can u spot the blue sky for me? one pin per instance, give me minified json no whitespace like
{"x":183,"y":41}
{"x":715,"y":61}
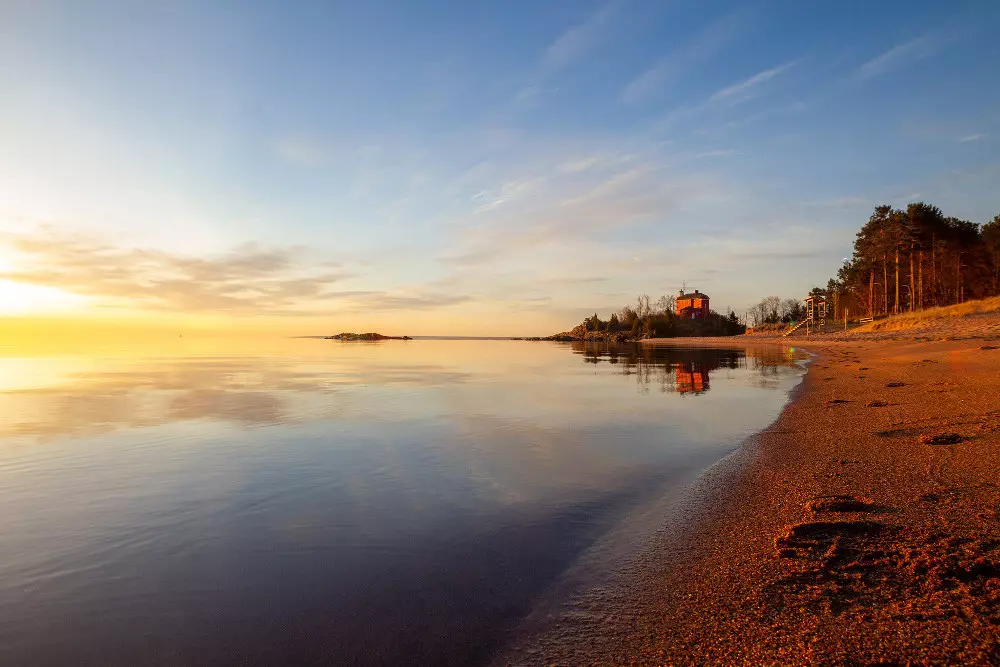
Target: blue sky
{"x":455,"y":165}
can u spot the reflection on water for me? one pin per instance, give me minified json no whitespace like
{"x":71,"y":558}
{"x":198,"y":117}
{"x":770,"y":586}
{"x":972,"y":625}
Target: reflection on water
{"x":687,"y":370}
{"x":87,"y":396}
{"x":329,"y":502}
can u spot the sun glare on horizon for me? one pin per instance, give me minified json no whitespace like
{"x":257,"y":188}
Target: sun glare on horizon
{"x":23,"y":299}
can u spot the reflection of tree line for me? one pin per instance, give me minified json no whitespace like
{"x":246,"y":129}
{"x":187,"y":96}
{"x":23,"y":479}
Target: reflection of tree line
{"x":685,"y":370}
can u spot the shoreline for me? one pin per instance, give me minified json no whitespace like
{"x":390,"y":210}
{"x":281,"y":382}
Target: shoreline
{"x":762,"y":565}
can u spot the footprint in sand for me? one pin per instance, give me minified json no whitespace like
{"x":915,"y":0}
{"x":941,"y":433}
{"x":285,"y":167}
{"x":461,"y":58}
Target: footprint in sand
{"x":876,"y":404}
{"x":941,"y":438}
{"x":896,"y":384}
{"x":897,"y":432}
{"x":841,"y":503}
{"x":811,"y":537}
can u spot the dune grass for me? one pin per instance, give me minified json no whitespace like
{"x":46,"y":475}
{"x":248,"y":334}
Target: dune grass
{"x":930,"y":316}
{"x":769,"y":328}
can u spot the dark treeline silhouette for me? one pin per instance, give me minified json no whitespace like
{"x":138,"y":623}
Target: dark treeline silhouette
{"x":906,"y":260}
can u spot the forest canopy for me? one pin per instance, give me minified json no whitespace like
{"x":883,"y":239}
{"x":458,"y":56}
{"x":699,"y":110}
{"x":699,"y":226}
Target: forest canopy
{"x":917,"y":258}
{"x":903,"y":260}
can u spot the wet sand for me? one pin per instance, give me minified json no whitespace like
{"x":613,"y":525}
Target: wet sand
{"x":861,"y":527}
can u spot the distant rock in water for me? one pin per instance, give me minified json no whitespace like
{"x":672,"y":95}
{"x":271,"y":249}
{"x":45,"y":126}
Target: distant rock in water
{"x":365,"y":336}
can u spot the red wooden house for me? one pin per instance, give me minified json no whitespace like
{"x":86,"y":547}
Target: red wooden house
{"x":693,"y":305}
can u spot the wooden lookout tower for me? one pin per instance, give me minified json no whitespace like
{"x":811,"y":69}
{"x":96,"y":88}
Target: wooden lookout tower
{"x":815,"y":313}
{"x":815,"y":319}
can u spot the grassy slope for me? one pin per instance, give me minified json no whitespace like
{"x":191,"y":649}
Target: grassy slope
{"x":924,"y":318}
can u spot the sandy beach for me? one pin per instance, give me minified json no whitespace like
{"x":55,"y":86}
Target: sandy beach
{"x":860,"y":528}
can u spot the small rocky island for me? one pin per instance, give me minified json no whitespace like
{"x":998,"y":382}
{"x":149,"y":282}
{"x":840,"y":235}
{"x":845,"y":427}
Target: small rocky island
{"x":365,"y":337}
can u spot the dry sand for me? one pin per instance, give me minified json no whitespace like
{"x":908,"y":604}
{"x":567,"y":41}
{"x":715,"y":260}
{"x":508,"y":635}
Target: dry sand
{"x":862,"y":527}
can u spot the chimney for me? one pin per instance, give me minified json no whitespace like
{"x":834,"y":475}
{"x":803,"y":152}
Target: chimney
{"x":680,"y":292}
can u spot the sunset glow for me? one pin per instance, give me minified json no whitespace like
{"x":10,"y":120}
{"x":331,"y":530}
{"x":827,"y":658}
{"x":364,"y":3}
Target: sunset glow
{"x":482,"y":332}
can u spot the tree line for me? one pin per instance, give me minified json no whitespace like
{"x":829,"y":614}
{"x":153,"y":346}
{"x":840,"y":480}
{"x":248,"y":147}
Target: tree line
{"x":903,"y":260}
{"x":906,"y":260}
{"x":775,"y":310}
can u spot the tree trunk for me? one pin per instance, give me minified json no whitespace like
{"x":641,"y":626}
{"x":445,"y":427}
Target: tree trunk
{"x":913,"y":293}
{"x":934,"y":268}
{"x":920,"y":264}
{"x":958,"y":279}
{"x":885,"y":286}
{"x":871,"y":290}
{"x":996,"y":273}
{"x":895,"y":303}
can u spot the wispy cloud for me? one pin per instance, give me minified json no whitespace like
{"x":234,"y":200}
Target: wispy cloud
{"x":506,"y":193}
{"x":301,"y":151}
{"x":249,"y":280}
{"x":848,"y":202}
{"x":652,"y":79}
{"x":722,"y":152}
{"x":527,"y":94}
{"x":728,"y":97}
{"x":699,"y":49}
{"x":746,"y":89}
{"x":941,"y":129}
{"x":367,"y":301}
{"x":579,"y":165}
{"x":578,"y":40}
{"x":582,"y":206}
{"x":911,"y":51}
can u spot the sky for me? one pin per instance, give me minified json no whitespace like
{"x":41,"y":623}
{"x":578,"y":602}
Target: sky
{"x":468,"y":167}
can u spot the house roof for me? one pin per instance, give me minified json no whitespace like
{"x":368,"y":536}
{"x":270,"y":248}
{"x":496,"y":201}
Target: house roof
{"x":693,"y":295}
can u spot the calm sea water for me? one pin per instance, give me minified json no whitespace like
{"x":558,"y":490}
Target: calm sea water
{"x":336,"y":503}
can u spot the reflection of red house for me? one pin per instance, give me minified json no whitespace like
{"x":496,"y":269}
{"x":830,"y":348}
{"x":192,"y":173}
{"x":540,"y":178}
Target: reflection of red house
{"x":692,"y":306}
{"x":689,"y":378}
